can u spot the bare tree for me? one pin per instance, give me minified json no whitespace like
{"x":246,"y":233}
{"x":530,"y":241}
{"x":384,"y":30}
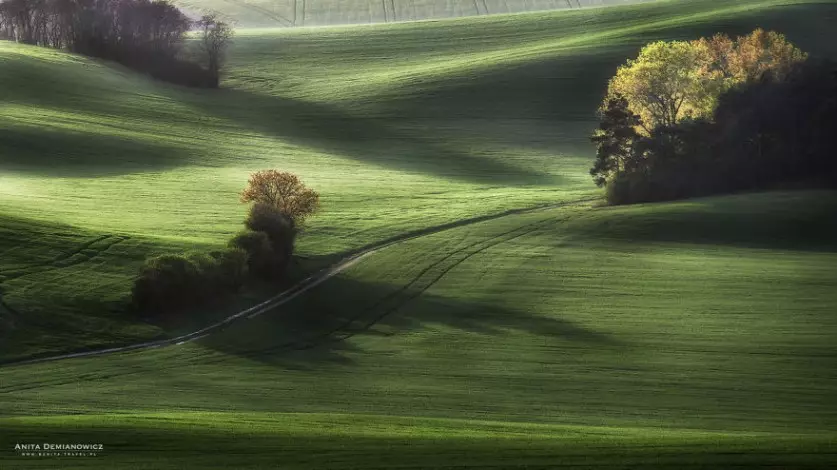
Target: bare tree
{"x":215,"y":37}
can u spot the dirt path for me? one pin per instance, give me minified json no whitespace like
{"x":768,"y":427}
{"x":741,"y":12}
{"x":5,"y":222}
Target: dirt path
{"x":300,"y":288}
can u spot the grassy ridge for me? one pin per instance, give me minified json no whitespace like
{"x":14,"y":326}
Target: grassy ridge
{"x":434,"y":122}
{"x":370,"y":441}
{"x":689,"y":335}
{"x":297,"y":13}
{"x":627,"y":349}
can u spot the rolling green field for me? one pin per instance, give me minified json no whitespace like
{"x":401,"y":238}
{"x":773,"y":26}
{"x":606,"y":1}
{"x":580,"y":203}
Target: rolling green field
{"x":697,"y":334}
{"x":299,"y":13}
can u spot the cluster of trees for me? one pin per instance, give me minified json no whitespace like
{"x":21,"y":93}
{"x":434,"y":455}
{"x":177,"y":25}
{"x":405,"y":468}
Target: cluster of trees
{"x":716,"y":115}
{"x":281,"y":203}
{"x":145,"y":35}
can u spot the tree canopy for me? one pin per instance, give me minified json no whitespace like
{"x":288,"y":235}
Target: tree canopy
{"x":284,"y":191}
{"x":675,"y":80}
{"x":146,"y":35}
{"x":716,"y":115}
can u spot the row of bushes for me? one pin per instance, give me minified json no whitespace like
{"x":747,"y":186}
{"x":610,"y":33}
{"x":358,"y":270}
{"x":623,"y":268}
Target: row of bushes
{"x":763,"y":134}
{"x":175,"y":282}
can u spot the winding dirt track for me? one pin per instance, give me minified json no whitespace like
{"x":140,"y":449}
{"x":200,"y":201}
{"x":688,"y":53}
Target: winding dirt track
{"x":301,"y":287}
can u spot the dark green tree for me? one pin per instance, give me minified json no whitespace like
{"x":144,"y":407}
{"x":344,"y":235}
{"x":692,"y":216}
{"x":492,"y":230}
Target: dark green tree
{"x":614,"y":139}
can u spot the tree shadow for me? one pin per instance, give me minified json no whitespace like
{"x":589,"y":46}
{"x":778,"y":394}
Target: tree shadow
{"x":368,"y":139}
{"x":566,"y":87}
{"x":315,"y":327}
{"x":82,"y":154}
{"x":569,"y":86}
{"x":800,"y":221}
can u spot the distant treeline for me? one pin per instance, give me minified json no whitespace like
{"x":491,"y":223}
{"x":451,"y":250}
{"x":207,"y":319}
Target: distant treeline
{"x":144,"y":35}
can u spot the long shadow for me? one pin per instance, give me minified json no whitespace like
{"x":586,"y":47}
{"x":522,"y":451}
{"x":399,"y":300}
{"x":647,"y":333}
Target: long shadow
{"x":799,"y":221}
{"x":314,"y":328}
{"x":368,"y":139}
{"x":82,"y":154}
{"x":571,"y":86}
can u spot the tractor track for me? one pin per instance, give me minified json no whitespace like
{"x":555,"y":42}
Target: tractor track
{"x":323,"y":275}
{"x":264,"y":11}
{"x":390,"y":303}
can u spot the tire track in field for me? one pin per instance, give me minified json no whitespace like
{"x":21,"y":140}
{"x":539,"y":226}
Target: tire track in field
{"x":328,"y":336}
{"x":8,"y":314}
{"x":16,"y":272}
{"x":264,"y":11}
{"x":64,"y":260}
{"x":81,"y":248}
{"x":295,"y":2}
{"x":392,"y":302}
{"x":349,"y":260}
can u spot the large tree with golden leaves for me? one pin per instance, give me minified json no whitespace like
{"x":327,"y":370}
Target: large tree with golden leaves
{"x":284,"y":191}
{"x":675,"y":80}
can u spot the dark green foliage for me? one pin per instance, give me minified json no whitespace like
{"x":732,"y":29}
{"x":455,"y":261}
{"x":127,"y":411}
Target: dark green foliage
{"x":141,"y":34}
{"x":173,"y":282}
{"x":762,"y":135}
{"x":262,"y":260}
{"x":280,"y":229}
{"x":781,"y":131}
{"x":165,"y":283}
{"x":614,"y":139}
{"x":232,"y":263}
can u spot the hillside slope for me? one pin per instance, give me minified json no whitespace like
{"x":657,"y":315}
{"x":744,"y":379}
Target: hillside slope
{"x":688,"y":335}
{"x":298,"y":13}
{"x":399,"y":127}
{"x":594,"y":337}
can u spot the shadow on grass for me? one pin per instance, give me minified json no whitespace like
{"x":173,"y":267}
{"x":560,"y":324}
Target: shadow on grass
{"x":167,"y":443}
{"x":792,"y":220}
{"x":82,"y":154}
{"x":313,"y":329}
{"x":367,"y":139}
{"x":212,"y":442}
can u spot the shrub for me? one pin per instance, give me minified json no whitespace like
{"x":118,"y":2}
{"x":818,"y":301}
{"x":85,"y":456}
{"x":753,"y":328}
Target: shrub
{"x":280,"y":229}
{"x":262,"y":259}
{"x":172,"y":282}
{"x":232,"y":265}
{"x":165,"y":283}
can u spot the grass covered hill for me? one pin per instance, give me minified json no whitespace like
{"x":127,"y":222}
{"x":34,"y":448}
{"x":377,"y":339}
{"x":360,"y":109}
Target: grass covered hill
{"x":587,"y":336}
{"x":400,"y":127}
{"x":696,"y":334}
{"x":297,"y":13}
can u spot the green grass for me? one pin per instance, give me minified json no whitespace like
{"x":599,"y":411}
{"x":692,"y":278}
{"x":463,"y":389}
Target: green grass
{"x":369,"y":441}
{"x":656,"y":336}
{"x":299,"y":13}
{"x":518,"y":341}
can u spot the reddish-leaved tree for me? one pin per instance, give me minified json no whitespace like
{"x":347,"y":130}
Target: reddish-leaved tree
{"x":284,"y":191}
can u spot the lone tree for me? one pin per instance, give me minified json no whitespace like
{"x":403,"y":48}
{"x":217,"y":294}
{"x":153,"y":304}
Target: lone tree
{"x":215,"y":37}
{"x":283,"y":191}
